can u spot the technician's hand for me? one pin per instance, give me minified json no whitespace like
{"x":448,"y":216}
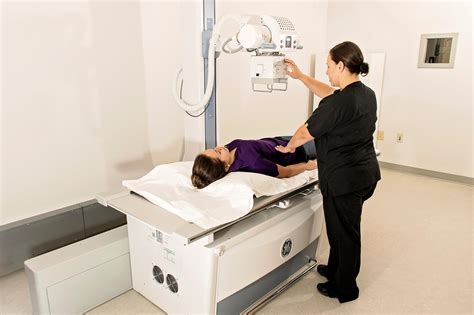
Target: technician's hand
{"x":285,"y":149}
{"x":311,"y":165}
{"x":292,"y":69}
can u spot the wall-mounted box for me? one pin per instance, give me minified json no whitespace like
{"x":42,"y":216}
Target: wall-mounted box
{"x":437,"y":50}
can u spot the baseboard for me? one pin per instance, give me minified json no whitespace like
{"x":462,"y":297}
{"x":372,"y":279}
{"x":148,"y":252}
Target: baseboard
{"x":22,"y":240}
{"x":420,"y":171}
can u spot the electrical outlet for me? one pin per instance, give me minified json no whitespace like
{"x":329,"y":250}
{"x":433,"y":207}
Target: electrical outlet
{"x":400,"y":137}
{"x":380,"y":135}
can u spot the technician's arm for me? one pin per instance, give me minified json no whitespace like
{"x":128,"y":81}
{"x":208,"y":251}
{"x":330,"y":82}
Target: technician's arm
{"x":317,"y":87}
{"x":300,"y":137}
{"x":295,"y":169}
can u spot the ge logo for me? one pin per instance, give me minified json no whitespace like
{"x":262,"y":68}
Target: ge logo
{"x":286,"y":248}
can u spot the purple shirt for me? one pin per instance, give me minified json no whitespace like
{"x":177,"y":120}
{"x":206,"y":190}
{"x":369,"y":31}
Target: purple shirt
{"x":260,"y":156}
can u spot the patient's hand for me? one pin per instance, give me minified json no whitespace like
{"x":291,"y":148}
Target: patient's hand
{"x":311,"y":165}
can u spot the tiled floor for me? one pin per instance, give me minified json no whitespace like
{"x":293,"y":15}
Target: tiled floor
{"x":416,"y":258}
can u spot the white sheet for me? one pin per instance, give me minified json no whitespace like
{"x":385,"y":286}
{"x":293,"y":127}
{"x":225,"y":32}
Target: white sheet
{"x":169,"y":186}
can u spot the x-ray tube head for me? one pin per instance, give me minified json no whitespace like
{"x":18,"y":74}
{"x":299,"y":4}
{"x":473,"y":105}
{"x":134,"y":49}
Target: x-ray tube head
{"x":283,"y":35}
{"x":267,"y":68}
{"x":269,"y":37}
{"x":253,"y":36}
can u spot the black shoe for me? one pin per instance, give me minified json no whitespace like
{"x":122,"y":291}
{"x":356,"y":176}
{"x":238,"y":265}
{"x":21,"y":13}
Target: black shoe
{"x":323,"y":271}
{"x":326,"y":289}
{"x":344,"y":299}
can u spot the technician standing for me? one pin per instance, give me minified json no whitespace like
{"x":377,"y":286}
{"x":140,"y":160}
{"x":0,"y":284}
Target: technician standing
{"x":342,"y":127}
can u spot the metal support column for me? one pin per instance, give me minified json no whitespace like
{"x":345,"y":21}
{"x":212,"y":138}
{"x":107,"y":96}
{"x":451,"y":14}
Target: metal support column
{"x":210,"y":114}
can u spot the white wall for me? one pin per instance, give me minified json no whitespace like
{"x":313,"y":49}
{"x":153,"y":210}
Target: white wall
{"x":242,"y":113}
{"x":73,"y":115}
{"x":1,"y":115}
{"x":171,"y":40}
{"x":431,"y":107}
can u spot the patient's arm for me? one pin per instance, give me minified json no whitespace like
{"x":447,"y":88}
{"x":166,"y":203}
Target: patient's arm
{"x":295,"y":169}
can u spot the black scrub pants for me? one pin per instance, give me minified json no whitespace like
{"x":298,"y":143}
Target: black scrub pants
{"x":343,"y":215}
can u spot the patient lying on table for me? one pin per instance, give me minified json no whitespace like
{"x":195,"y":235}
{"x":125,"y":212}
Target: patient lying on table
{"x":257,"y":156}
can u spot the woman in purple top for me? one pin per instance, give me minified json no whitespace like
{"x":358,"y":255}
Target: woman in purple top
{"x":256,"y":156}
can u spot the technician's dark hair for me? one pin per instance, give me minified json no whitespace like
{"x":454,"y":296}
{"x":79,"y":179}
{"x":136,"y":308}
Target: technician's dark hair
{"x":351,"y":56}
{"x":206,"y":170}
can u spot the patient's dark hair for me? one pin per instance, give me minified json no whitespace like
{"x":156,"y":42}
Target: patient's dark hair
{"x":206,"y":170}
{"x":351,"y":56}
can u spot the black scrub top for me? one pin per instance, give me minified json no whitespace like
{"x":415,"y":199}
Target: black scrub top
{"x":343,"y":127}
